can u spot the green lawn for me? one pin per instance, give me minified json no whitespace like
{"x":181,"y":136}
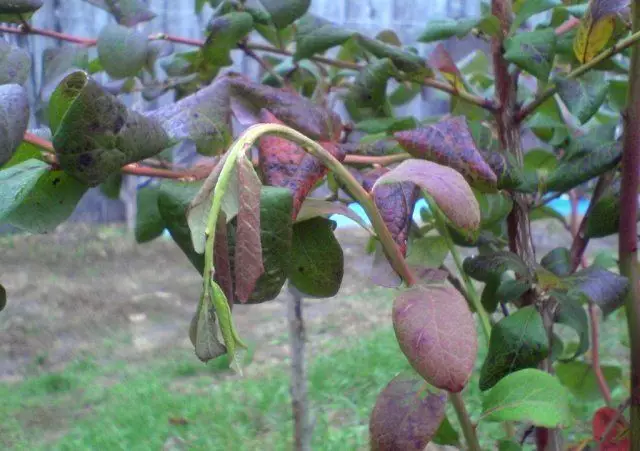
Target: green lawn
{"x":133,"y":407}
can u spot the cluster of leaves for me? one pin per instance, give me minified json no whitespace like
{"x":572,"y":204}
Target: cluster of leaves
{"x":254,"y":223}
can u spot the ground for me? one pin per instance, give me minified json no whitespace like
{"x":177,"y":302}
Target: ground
{"x":89,"y":310}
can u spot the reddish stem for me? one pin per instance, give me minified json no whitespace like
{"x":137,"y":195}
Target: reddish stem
{"x":22,"y":30}
{"x":595,"y":354}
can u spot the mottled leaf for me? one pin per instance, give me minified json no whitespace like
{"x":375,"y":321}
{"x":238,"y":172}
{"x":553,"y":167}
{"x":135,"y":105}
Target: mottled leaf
{"x":15,"y":64}
{"x":407,"y":414}
{"x":122,"y":51}
{"x":433,"y":323}
{"x":449,"y":142}
{"x":517,"y":341}
{"x":524,"y":9}
{"x":94,"y":133}
{"x":126,"y":12}
{"x":558,"y":261}
{"x":149,"y":222}
{"x":447,"y":187}
{"x":284,"y":12}
{"x":440,"y":29}
{"x":248,"y":249}
{"x":298,"y":112}
{"x":604,"y":288}
{"x":596,"y":28}
{"x":410,"y":63}
{"x":286,"y":164}
{"x":315,"y":35}
{"x":528,"y":395}
{"x":584,"y":95}
{"x":14,"y":118}
{"x":532,"y":51}
{"x":18,"y":10}
{"x":35,"y":198}
{"x":224,"y":33}
{"x":581,"y":381}
{"x":317,"y":262}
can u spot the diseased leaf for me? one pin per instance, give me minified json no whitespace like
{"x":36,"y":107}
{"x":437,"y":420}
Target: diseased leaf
{"x":532,"y":51}
{"x":224,"y":33}
{"x":447,"y":187}
{"x":297,"y":112}
{"x":317,"y":262}
{"x":407,"y":414}
{"x":571,"y":313}
{"x":284,"y":12}
{"x":596,"y":28}
{"x":517,"y":341}
{"x":367,"y":97}
{"x":441,"y":60}
{"x":617,"y":438}
{"x":203,"y":118}
{"x":558,"y":261}
{"x":604,"y":288}
{"x":440,"y":29}
{"x":126,"y":12}
{"x":122,"y":51}
{"x":149,"y":222}
{"x":14,"y":118}
{"x":35,"y":198}
{"x":410,"y":63}
{"x":584,"y":95}
{"x":524,"y":9}
{"x":94,"y":133}
{"x":581,"y":381}
{"x":433,"y":323}
{"x":317,"y":207}
{"x":18,"y":11}
{"x":286,"y":164}
{"x":528,"y":395}
{"x":15,"y":64}
{"x":315,"y":35}
{"x":248,"y":248}
{"x":204,"y":333}
{"x":449,"y":142}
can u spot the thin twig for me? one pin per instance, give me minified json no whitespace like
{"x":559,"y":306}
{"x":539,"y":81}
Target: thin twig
{"x":595,"y":354}
{"x":619,"y":415}
{"x":266,"y":66}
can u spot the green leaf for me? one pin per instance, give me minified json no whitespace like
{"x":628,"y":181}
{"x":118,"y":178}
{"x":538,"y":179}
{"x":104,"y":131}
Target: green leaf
{"x":111,"y":186}
{"x":149,"y":222}
{"x":494,"y":208}
{"x":18,"y":11}
{"x":94,"y":133}
{"x":618,"y":94}
{"x":315,"y":35}
{"x":367,"y":97}
{"x":508,"y":445}
{"x":386,"y":124}
{"x":605,"y":288}
{"x":571,"y":313}
{"x":517,"y":341}
{"x":581,"y":381}
{"x":604,"y":218}
{"x":583,"y":96}
{"x":15,"y":64}
{"x":446,"y":434}
{"x":317,"y":262}
{"x":429,"y":251}
{"x":540,"y":162}
{"x":440,"y":29}
{"x":531,"y":396}
{"x":126,"y":12}
{"x":548,"y":124}
{"x":546,"y":212}
{"x":558,"y":261}
{"x":122,"y":51}
{"x":14,"y":118}
{"x":524,"y":9}
{"x":35,"y":198}
{"x":410,"y":63}
{"x":487,"y":267}
{"x":173,"y":200}
{"x":404,"y":93}
{"x":532,"y":51}
{"x":285,"y":12}
{"x":25,"y":151}
{"x":224,"y":33}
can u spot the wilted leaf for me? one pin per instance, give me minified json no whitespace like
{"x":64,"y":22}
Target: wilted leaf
{"x":317,"y":262}
{"x":315,"y":35}
{"x":126,"y":12}
{"x":298,"y":112}
{"x":286,"y":164}
{"x":524,"y":9}
{"x":517,"y":341}
{"x":149,"y":222}
{"x":15,"y":64}
{"x":450,"y":143}
{"x":447,"y":187}
{"x":285,"y":12}
{"x":94,"y":133}
{"x":532,"y":51}
{"x":440,"y":29}
{"x":203,"y":333}
{"x":35,"y":198}
{"x":558,"y":261}
{"x":18,"y":10}
{"x":580,"y":379}
{"x":410,"y":63}
{"x":367,"y":97}
{"x":584,"y":95}
{"x":317,"y":207}
{"x":433,"y":323}
{"x":14,"y":118}
{"x":617,"y":438}
{"x":224,"y":33}
{"x":122,"y":51}
{"x":528,"y":395}
{"x":604,"y":288}
{"x":407,"y":414}
{"x":248,"y":248}
{"x":203,"y":117}
{"x":596,"y":28}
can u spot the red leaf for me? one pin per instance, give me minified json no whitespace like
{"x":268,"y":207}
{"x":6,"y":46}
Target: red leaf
{"x":221,"y":260}
{"x":436,"y":332}
{"x":618,"y":438}
{"x":287,"y":165}
{"x":441,"y":60}
{"x":248,"y":258}
{"x":290,"y":107}
{"x":449,"y":142}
